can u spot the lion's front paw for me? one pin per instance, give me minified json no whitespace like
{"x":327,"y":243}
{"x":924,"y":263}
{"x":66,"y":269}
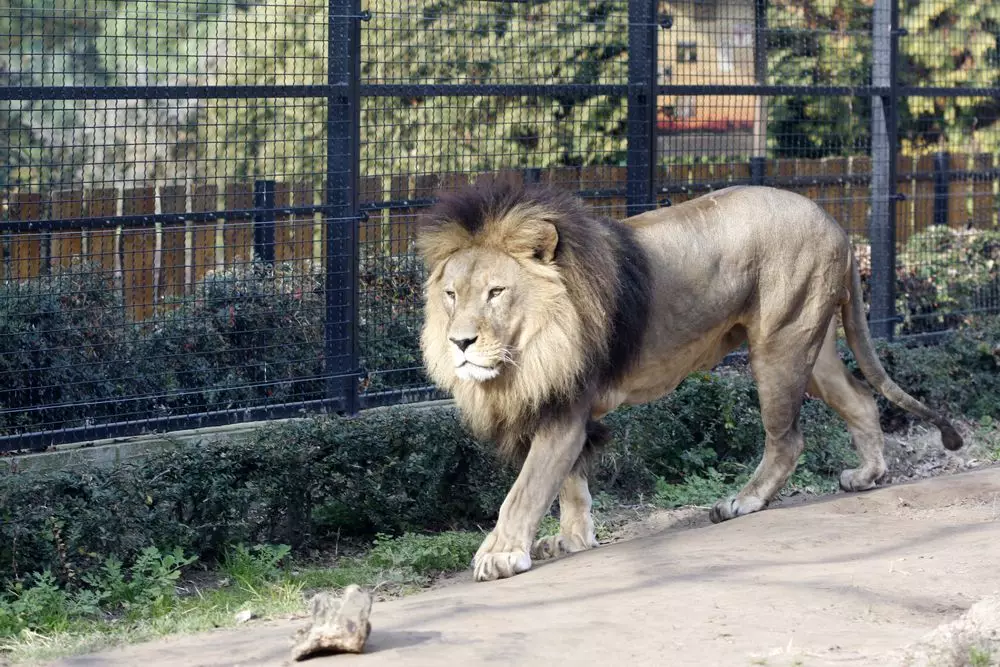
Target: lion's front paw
{"x":500,"y":565}
{"x":730,"y":508}
{"x":858,"y":479}
{"x":563,"y":543}
{"x":499,"y":559}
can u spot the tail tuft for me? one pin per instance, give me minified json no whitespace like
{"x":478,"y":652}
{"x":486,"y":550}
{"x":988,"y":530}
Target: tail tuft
{"x":949,"y":436}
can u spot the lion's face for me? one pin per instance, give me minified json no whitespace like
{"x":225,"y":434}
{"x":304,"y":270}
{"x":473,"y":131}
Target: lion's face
{"x":482,"y":293}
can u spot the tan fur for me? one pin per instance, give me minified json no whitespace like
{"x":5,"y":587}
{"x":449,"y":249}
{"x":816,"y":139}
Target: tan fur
{"x":754,"y":265}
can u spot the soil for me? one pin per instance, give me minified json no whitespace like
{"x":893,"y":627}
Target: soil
{"x":849,"y":579}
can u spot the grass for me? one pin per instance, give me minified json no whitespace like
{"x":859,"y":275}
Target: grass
{"x":260,"y":579}
{"x":980,"y":658}
{"x":151,"y":598}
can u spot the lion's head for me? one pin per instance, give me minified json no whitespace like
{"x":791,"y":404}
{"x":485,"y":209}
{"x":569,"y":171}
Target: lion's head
{"x":530,"y":301}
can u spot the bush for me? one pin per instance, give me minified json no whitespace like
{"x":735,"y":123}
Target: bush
{"x":64,"y":341}
{"x":943,"y":277}
{"x":310,"y":483}
{"x":302,"y":484}
{"x":249,"y":335}
{"x":959,"y":375}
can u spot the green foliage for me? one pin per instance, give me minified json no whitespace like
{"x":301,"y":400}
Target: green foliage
{"x":815,"y":43}
{"x":252,"y":566}
{"x":310,"y":483}
{"x":155,"y":42}
{"x":943,"y":275}
{"x":715,"y":416}
{"x":70,"y":355}
{"x":62,"y":340}
{"x":979,"y":657}
{"x":960,"y":375}
{"x":45,"y":604}
{"x":701,"y":489}
{"x":425,"y":554}
{"x":302,"y":484}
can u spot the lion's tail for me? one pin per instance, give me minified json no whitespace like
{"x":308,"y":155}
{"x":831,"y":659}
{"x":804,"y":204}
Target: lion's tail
{"x":860,"y":342}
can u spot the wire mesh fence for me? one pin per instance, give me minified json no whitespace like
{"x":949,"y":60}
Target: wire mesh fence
{"x":208,"y":206}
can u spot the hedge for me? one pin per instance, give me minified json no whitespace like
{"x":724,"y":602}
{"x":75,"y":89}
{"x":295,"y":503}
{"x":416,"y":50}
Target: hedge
{"x":314,"y":482}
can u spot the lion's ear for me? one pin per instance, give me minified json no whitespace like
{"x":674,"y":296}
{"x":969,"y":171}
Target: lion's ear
{"x":536,"y":241}
{"x":548,"y":239}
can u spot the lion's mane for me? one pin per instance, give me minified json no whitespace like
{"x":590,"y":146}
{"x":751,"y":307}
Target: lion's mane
{"x":595,"y":322}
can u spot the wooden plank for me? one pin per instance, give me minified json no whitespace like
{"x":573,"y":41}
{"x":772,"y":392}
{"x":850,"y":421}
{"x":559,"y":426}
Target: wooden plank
{"x":172,"y":268}
{"x":734,"y":172}
{"x":923,"y":194}
{"x":904,"y":208}
{"x":102,"y":245}
{"x":959,"y":192}
{"x":425,"y":186}
{"x":319,"y":238}
{"x":833,"y":196}
{"x":25,"y":247}
{"x":679,"y":174}
{"x":371,"y":193}
{"x":597,"y":177}
{"x":284,"y":226}
{"x":983,"y":199}
{"x":860,"y":195}
{"x":453,"y":181}
{"x":400,"y":219}
{"x":617,"y":180}
{"x":138,"y":253}
{"x":780,"y":168}
{"x":562,"y":178}
{"x":237,"y":230}
{"x":506,"y":176}
{"x":701,"y":174}
{"x":204,"y":240}
{"x":67,"y":244}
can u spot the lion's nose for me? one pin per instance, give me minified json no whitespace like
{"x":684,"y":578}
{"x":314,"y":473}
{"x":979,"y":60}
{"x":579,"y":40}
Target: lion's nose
{"x":463,"y":343}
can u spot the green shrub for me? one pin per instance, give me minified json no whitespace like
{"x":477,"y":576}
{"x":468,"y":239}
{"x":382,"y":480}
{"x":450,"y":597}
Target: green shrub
{"x":943,"y":277}
{"x":310,"y":483}
{"x":425,"y":554}
{"x":44,"y":603}
{"x":64,"y":341}
{"x":959,"y":375}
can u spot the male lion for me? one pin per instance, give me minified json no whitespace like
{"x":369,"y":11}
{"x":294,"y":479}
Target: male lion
{"x":541,"y":317}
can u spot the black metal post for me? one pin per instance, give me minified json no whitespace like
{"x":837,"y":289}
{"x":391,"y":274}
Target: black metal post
{"x":641,"y":152}
{"x":263,"y":220}
{"x":885,"y":122}
{"x":343,"y":159}
{"x":758,"y":170}
{"x":759,"y":79}
{"x":942,"y":167}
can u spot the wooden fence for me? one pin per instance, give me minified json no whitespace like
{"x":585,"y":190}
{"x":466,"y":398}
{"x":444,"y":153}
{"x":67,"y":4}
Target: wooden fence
{"x":159,"y":261}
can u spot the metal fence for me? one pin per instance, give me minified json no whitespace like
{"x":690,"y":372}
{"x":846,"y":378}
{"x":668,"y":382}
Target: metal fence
{"x":208,"y":205}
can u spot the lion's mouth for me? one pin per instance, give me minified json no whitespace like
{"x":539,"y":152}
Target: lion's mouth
{"x":469,"y":370}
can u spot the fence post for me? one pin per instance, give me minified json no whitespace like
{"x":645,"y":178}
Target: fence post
{"x":758,"y":166}
{"x":343,"y":163}
{"x":882,"y":226}
{"x":263,"y":220}
{"x":641,"y":151}
{"x":942,"y":167}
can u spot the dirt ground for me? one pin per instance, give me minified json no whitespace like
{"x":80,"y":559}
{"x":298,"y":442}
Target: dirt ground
{"x":849,"y":579}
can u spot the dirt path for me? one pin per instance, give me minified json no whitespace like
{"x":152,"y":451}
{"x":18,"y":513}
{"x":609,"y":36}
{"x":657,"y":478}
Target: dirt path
{"x":841,"y":581}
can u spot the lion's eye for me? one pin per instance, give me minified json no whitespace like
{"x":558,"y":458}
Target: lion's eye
{"x":450,"y":294}
{"x":495,"y":292}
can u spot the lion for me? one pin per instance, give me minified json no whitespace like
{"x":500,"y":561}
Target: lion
{"x":542,"y":316}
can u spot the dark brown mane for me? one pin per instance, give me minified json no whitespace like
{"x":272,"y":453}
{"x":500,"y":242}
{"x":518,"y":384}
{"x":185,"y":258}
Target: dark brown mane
{"x":602,"y":268}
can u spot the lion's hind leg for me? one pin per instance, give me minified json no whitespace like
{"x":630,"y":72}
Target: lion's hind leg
{"x":576,"y":526}
{"x":851,"y":399}
{"x":781,"y":362}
